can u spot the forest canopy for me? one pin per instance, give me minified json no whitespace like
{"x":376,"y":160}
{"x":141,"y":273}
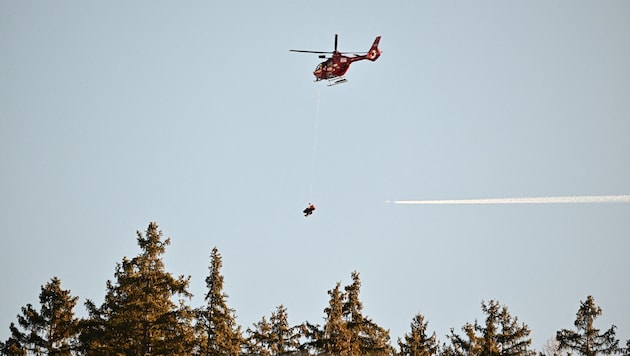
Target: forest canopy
{"x":146,"y":311}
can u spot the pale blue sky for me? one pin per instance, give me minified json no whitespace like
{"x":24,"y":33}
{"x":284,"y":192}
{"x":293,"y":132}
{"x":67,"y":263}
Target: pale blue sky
{"x":195,"y":115}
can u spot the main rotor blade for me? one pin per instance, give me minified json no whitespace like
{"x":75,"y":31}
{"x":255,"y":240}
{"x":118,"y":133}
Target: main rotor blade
{"x":302,"y":51}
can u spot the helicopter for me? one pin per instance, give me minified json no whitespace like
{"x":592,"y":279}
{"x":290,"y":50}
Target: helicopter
{"x":334,"y":68}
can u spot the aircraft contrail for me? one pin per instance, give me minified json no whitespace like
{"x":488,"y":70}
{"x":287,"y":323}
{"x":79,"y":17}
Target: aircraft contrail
{"x":536,"y":200}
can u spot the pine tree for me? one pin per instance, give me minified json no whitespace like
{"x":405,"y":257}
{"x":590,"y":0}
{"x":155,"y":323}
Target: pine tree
{"x":552,"y":348}
{"x":138,"y":316}
{"x":12,"y":346}
{"x":366,"y":337}
{"x":353,"y":314}
{"x":274,"y":337}
{"x":449,"y":350}
{"x":52,"y":330}
{"x":336,"y":333}
{"x":314,"y":335}
{"x":347,"y":331}
{"x":501,"y":335}
{"x":219,"y":333}
{"x":417,"y":343}
{"x":286,"y":338}
{"x":334,"y":337}
{"x":587,"y":340}
{"x":259,"y":338}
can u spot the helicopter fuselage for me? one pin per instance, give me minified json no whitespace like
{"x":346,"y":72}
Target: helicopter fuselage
{"x":333,"y":67}
{"x":336,"y":66}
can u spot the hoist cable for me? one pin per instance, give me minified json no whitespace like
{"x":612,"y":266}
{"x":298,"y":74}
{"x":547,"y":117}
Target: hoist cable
{"x":315,"y":144}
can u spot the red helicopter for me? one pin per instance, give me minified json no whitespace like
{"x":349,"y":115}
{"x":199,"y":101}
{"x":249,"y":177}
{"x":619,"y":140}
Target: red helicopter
{"x":334,"y":68}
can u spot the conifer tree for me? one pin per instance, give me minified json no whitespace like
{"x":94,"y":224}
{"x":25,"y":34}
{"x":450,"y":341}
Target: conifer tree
{"x":259,"y":338}
{"x":417,"y":342}
{"x":552,"y":348}
{"x":347,"y":331}
{"x":501,"y":335}
{"x":353,"y":314}
{"x":449,"y":350}
{"x":219,"y":333}
{"x":138,"y":316}
{"x":52,"y":330}
{"x":366,"y":337}
{"x":314,"y":335}
{"x":336,"y":333}
{"x":587,"y":340}
{"x":286,"y":338}
{"x":12,"y":346}
{"x":275,"y":337}
{"x":334,"y":337}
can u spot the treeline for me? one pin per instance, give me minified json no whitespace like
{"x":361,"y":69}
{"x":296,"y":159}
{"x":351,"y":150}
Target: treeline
{"x":144,"y":312}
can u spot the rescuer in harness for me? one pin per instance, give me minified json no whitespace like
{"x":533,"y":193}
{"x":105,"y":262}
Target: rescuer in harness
{"x":309,"y":210}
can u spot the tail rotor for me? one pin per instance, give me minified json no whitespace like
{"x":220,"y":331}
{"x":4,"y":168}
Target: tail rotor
{"x":374,"y":51}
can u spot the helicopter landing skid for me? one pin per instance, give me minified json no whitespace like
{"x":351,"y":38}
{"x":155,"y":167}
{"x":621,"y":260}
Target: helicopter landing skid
{"x":336,"y":80}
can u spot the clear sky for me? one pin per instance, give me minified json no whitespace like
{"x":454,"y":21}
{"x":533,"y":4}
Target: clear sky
{"x":195,"y":115}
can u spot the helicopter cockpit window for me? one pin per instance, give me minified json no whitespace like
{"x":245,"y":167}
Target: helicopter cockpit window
{"x":319,"y":66}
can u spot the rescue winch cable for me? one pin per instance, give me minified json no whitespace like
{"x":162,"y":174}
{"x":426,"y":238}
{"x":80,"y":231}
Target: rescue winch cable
{"x":315,"y":144}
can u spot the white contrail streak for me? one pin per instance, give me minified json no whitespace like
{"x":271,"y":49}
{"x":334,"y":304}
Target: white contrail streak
{"x":537,"y":200}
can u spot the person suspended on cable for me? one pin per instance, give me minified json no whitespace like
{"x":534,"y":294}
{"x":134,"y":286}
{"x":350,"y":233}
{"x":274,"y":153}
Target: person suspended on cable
{"x":309,"y":210}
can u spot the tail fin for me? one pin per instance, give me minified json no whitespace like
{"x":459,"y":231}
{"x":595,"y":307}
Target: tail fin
{"x":374,"y":52}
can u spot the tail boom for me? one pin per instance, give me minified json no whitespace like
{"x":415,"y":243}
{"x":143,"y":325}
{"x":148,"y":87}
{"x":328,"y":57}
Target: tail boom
{"x":374,"y":51}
